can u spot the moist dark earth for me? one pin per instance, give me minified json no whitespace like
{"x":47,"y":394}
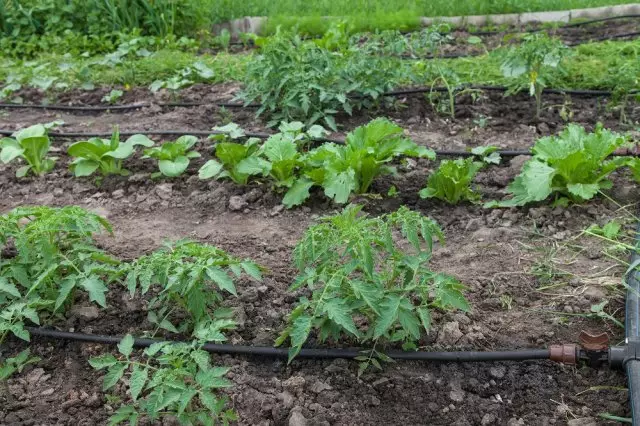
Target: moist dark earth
{"x":529,"y":271}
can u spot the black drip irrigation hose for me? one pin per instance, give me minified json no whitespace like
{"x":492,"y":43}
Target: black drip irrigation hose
{"x":393,"y":93}
{"x":267,"y":351}
{"x":632,"y":329}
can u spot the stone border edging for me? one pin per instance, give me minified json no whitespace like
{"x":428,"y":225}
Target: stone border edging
{"x":255,"y":24}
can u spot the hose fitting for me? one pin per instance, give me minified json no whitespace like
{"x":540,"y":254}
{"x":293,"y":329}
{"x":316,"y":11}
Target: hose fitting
{"x":564,"y":354}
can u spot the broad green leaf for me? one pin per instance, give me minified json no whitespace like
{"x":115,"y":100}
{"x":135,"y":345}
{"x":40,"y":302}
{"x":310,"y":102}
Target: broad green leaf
{"x":254,"y":166}
{"x":122,"y":414}
{"x":89,"y":150}
{"x":210,"y":169}
{"x":125,"y":347}
{"x":31,"y":132}
{"x":114,"y":374}
{"x":298,"y":193}
{"x":22,"y":171}
{"x":103,"y":361}
{"x":173,"y":168}
{"x":367,"y":292}
{"x":583,"y":190}
{"x":280,"y":148}
{"x":10,"y":149}
{"x":339,"y":186}
{"x":140,"y":140}
{"x":96,"y":289}
{"x":138,"y":379}
{"x":123,"y":151}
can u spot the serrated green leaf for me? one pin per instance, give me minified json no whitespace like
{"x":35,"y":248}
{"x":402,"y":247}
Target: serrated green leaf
{"x":338,"y":312}
{"x":8,"y":288}
{"x":221,"y":278}
{"x":425,"y":317}
{"x":67,"y":286}
{"x":114,"y":374}
{"x":125,"y":347}
{"x":299,"y":333}
{"x":583,"y":190}
{"x":103,"y":361}
{"x":137,"y":380}
{"x":339,"y":186}
{"x":96,"y":289}
{"x":212,"y":378}
{"x":388,"y":315}
{"x":298,"y":193}
{"x":252,"y":270}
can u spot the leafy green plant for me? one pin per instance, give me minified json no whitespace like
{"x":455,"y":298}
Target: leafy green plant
{"x":626,"y":78}
{"x":113,"y":96}
{"x":189,"y":276}
{"x":233,"y":156}
{"x":32,"y":146}
{"x":351,"y":168}
{"x":173,"y":157}
{"x":369,"y":279}
{"x":104,"y":155}
{"x":47,"y":255}
{"x":166,"y":380}
{"x":573,"y":166}
{"x":16,"y":364}
{"x":452,"y":181}
{"x":295,"y":80}
{"x":534,"y":59}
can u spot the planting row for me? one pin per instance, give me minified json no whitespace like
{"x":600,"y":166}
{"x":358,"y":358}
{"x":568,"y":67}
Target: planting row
{"x":571,"y":167}
{"x":365,"y":279}
{"x":314,"y":80}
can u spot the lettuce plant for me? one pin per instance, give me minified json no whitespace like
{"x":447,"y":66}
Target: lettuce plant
{"x":173,"y":157}
{"x":231,"y":155}
{"x":369,"y":279}
{"x":573,"y":166}
{"x":104,"y":155}
{"x":32,"y":146}
{"x":452,"y":181}
{"x":351,"y":168}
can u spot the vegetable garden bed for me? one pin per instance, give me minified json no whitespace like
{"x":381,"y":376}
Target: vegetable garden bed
{"x":531,"y":282}
{"x":503,"y":279}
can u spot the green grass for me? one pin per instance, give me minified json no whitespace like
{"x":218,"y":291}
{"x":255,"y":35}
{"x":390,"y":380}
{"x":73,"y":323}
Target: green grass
{"x":228,"y":9}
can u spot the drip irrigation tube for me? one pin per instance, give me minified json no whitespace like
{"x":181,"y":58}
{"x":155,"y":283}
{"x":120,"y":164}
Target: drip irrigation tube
{"x":267,"y":351}
{"x":393,"y":93}
{"x":632,"y":329}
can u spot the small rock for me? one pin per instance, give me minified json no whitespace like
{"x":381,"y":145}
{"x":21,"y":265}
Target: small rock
{"x":294,"y":384}
{"x":543,"y":128}
{"x":253,"y":195}
{"x":337,"y":366}
{"x":497,"y":372}
{"x":449,"y":334}
{"x":276,"y":210}
{"x":118,"y":193}
{"x":488,"y":419}
{"x":164,"y":191}
{"x":239,"y":316}
{"x":237,"y":203}
{"x":85,"y":312}
{"x":139,"y":177}
{"x":58,"y":191}
{"x":595,"y":294}
{"x":34,"y":375}
{"x":515,"y":422}
{"x":286,"y":398}
{"x":380,"y":382}
{"x":585,"y":421}
{"x":474,"y":224}
{"x":296,"y":418}
{"x":375,"y":401}
{"x":457,"y":395}
{"x":47,"y":392}
{"x":319,"y":386}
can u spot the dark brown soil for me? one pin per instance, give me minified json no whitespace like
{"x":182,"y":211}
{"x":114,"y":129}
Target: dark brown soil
{"x":530,"y":276}
{"x":569,"y":35}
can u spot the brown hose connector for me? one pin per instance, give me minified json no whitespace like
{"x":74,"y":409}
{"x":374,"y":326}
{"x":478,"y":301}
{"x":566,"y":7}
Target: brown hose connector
{"x":564,"y":354}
